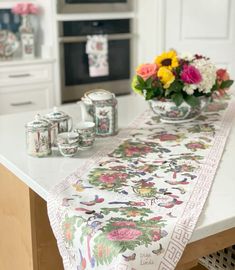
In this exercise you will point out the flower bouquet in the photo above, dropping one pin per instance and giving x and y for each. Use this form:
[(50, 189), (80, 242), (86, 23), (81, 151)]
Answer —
[(24, 10), (179, 86)]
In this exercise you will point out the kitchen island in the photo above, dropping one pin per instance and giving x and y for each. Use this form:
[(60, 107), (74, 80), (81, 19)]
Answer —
[(27, 241)]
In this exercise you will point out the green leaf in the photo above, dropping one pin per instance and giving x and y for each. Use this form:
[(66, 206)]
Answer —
[(149, 94), (148, 82), (215, 87), (176, 86), (141, 81), (192, 100), (139, 87), (177, 98), (226, 84)]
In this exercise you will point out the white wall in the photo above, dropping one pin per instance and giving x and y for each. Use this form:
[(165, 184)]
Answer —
[(150, 29)]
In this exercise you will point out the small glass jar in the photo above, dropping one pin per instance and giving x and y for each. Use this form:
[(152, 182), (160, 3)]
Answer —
[(38, 137), (62, 121)]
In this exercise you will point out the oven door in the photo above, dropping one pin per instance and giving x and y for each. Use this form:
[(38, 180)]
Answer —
[(75, 79), (91, 6)]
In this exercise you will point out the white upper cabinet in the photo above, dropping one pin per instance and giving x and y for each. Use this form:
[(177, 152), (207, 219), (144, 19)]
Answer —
[(203, 27)]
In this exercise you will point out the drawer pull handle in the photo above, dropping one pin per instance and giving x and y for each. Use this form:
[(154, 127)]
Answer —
[(22, 103), (19, 75)]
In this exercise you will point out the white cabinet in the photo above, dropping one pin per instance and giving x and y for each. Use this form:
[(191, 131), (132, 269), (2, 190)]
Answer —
[(26, 86)]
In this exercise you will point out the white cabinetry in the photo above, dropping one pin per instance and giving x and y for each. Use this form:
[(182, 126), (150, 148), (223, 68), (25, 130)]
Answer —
[(25, 85)]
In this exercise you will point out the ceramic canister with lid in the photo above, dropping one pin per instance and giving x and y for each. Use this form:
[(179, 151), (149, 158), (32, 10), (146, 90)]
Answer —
[(62, 120), (38, 137), (100, 106)]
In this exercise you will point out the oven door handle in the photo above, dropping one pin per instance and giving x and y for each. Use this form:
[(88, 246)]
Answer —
[(84, 38)]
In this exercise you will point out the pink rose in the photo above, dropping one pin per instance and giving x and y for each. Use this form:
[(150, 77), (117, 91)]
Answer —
[(146, 71), (191, 75), (124, 234), (168, 137), (106, 178), (222, 75), (25, 9), (124, 223), (33, 9)]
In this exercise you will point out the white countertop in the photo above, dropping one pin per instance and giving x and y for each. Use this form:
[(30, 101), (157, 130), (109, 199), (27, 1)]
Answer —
[(41, 174)]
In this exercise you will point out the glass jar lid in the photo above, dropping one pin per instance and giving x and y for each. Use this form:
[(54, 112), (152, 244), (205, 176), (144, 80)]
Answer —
[(38, 123), (57, 115)]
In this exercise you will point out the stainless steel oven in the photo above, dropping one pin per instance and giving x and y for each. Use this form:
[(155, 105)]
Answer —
[(75, 78), (87, 6)]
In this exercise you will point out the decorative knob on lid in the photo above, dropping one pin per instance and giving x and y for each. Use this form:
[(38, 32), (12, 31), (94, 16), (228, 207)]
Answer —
[(57, 115), (38, 123)]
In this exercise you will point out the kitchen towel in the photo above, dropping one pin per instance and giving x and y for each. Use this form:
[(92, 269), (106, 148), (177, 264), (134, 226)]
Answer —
[(135, 203), (97, 50)]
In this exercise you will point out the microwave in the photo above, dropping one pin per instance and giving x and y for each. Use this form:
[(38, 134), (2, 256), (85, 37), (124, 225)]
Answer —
[(93, 6)]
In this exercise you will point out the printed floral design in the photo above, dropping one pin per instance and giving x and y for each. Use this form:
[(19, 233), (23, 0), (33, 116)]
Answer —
[(128, 201), (69, 228), (202, 128), (194, 146), (106, 179), (129, 211), (131, 149), (145, 189), (122, 234), (216, 106), (164, 137)]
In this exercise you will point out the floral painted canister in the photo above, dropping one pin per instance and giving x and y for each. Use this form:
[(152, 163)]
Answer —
[(38, 137), (101, 107), (61, 119)]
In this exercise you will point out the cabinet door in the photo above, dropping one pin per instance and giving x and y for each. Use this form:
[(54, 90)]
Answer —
[(203, 27), (25, 98)]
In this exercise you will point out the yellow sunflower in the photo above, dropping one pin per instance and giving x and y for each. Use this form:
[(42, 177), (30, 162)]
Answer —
[(167, 59), (165, 76)]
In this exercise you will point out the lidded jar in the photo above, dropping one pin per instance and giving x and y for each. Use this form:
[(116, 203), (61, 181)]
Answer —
[(101, 107), (38, 137), (61, 120)]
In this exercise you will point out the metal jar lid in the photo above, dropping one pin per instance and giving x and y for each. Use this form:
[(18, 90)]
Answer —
[(57, 115), (38, 124)]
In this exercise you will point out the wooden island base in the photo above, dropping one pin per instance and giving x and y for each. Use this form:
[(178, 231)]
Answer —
[(27, 241)]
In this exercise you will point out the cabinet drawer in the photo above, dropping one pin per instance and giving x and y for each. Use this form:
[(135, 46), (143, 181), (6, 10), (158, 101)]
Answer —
[(20, 100), (25, 74)]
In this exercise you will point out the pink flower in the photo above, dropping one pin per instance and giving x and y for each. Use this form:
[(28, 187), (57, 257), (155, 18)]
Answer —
[(157, 218), (168, 137), (146, 71), (156, 235), (130, 151), (106, 178), (124, 223), (191, 75), (222, 75), (33, 9), (124, 234), (25, 9), (121, 175)]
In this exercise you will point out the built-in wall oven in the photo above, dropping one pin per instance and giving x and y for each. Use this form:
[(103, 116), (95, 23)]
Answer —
[(74, 64), (87, 6)]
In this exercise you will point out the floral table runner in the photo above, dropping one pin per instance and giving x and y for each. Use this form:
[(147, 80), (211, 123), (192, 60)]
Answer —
[(134, 205)]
